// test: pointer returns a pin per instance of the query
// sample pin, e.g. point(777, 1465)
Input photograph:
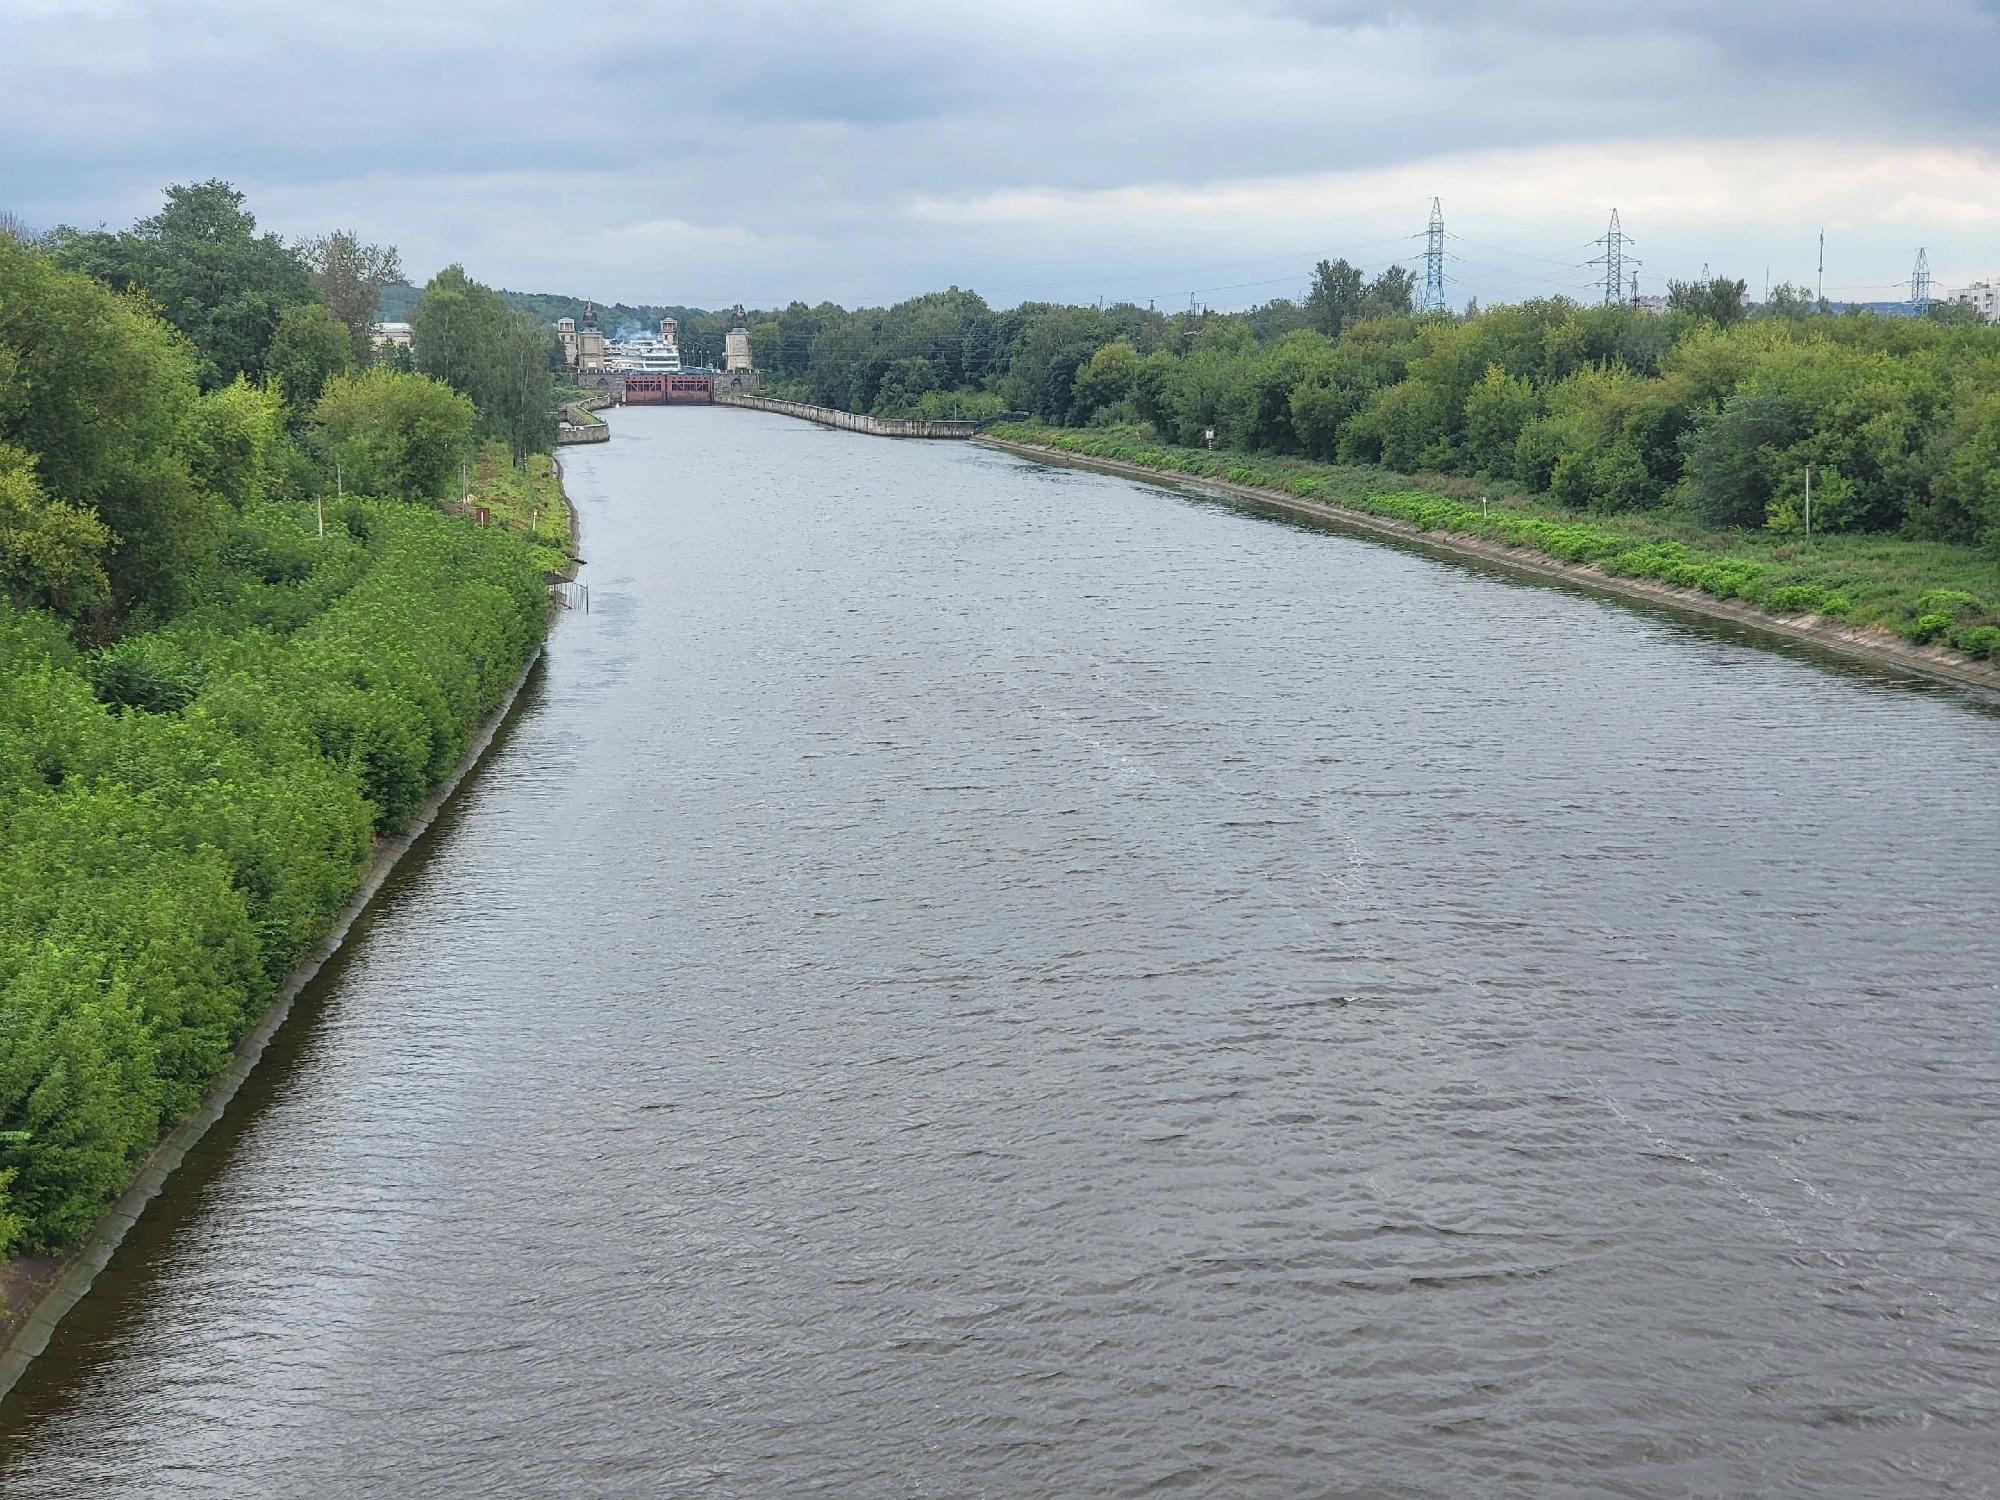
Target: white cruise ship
point(647, 355)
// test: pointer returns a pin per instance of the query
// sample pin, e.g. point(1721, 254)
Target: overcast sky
point(870, 149)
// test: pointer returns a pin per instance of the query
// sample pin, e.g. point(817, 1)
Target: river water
point(972, 978)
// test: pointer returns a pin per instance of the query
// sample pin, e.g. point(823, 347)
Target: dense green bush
point(184, 813)
point(1927, 628)
point(1978, 640)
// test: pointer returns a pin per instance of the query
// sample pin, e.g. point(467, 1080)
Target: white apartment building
point(1984, 298)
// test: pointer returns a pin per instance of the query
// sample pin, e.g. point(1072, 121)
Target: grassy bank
point(526, 500)
point(1927, 593)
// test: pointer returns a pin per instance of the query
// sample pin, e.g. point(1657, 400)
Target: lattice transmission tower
point(1611, 255)
point(1432, 300)
point(1920, 284)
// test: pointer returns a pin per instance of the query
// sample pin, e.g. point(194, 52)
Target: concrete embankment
point(1875, 646)
point(847, 421)
point(578, 426)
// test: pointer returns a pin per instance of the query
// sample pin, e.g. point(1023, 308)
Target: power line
point(1467, 239)
point(1510, 275)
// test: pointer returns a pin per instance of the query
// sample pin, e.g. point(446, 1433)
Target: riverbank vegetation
point(1925, 592)
point(527, 499)
point(1701, 445)
point(247, 629)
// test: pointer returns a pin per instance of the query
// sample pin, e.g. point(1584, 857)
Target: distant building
point(736, 343)
point(391, 335)
point(583, 349)
point(1983, 297)
point(1650, 304)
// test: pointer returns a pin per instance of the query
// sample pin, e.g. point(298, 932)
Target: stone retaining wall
point(848, 421)
point(577, 427)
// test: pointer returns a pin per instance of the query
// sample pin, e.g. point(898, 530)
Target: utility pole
point(1635, 288)
point(1612, 258)
point(1920, 284)
point(1819, 292)
point(1433, 295)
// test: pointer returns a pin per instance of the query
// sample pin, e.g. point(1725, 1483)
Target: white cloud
point(872, 149)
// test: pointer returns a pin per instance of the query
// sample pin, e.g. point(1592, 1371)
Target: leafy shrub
point(1927, 628)
point(1979, 640)
point(1795, 599)
point(151, 672)
point(1954, 603)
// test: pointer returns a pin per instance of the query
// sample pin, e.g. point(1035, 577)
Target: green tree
point(310, 347)
point(51, 554)
point(1793, 303)
point(1718, 299)
point(1405, 427)
point(396, 434)
point(96, 389)
point(455, 330)
point(202, 262)
point(466, 335)
point(79, 1092)
point(766, 340)
point(1058, 341)
point(229, 438)
point(1334, 300)
point(1732, 457)
point(349, 274)
point(1497, 409)
point(904, 385)
point(1255, 411)
point(1105, 380)
point(1390, 294)
point(1963, 503)
point(1952, 314)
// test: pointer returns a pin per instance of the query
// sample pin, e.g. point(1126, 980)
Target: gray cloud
point(765, 151)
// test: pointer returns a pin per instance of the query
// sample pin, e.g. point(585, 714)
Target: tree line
point(153, 379)
point(1713, 409)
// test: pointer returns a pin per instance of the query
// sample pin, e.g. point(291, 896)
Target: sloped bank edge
point(71, 1280)
point(1875, 647)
